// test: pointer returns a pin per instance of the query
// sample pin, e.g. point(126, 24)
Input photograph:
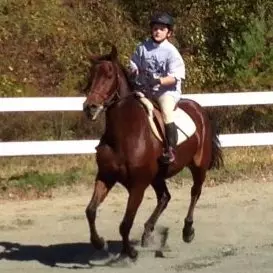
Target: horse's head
point(103, 84)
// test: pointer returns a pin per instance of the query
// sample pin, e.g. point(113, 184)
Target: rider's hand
point(152, 81)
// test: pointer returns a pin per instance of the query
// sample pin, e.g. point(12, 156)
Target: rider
point(159, 68)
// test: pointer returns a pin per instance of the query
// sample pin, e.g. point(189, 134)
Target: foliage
point(250, 62)
point(45, 45)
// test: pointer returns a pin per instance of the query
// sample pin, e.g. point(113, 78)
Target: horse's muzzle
point(92, 111)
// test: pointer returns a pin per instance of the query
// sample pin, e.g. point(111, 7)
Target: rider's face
point(160, 32)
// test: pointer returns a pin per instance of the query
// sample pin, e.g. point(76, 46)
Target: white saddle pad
point(186, 126)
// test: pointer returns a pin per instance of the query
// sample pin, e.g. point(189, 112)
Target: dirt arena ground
point(233, 224)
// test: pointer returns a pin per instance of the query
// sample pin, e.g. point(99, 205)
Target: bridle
point(112, 99)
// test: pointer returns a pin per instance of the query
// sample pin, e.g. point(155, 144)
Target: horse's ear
point(114, 53)
point(94, 58)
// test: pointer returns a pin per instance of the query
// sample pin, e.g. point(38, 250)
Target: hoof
point(188, 235)
point(146, 239)
point(133, 254)
point(98, 243)
point(159, 254)
point(130, 252)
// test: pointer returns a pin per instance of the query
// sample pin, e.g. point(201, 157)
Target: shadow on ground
point(74, 255)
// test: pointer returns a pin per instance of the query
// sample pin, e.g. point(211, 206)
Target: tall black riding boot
point(171, 137)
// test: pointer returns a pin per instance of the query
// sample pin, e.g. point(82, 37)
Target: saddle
point(184, 123)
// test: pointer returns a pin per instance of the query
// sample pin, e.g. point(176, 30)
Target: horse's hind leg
point(163, 198)
point(100, 192)
point(198, 175)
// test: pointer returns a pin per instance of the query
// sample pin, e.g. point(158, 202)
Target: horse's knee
point(196, 190)
point(166, 197)
point(90, 211)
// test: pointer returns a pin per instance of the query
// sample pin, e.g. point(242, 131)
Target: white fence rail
point(88, 146)
point(75, 103)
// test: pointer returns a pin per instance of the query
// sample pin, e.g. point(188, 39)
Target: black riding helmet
point(162, 18)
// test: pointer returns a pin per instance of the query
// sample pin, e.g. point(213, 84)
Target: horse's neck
point(126, 109)
point(125, 94)
point(120, 116)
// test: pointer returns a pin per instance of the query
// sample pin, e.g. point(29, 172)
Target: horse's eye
point(109, 75)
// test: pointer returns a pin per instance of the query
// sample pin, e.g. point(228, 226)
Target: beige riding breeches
point(167, 104)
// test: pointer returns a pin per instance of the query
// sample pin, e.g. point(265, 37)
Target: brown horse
point(128, 151)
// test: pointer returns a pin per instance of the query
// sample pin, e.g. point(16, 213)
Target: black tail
point(217, 155)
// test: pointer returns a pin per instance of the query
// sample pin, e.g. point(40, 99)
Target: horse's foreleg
point(163, 198)
point(100, 192)
point(198, 175)
point(134, 201)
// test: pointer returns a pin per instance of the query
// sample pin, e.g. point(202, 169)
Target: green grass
point(33, 184)
point(44, 181)
point(37, 176)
